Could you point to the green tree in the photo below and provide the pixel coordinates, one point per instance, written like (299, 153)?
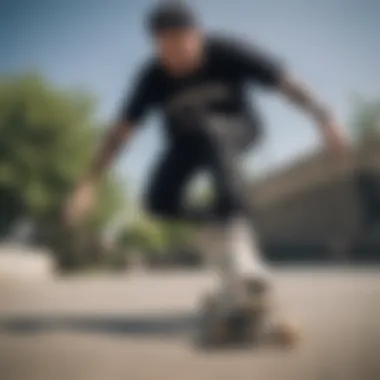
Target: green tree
(47, 136)
(365, 120)
(143, 235)
(175, 234)
(154, 240)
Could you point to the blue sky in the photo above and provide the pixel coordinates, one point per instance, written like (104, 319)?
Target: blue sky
(97, 44)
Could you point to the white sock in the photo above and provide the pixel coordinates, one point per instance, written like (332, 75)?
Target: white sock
(226, 281)
(243, 249)
(234, 255)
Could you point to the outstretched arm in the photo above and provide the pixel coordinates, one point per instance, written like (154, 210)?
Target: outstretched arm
(134, 107)
(133, 110)
(116, 137)
(253, 63)
(82, 199)
(303, 97)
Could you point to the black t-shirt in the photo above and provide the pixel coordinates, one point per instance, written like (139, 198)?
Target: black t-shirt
(217, 90)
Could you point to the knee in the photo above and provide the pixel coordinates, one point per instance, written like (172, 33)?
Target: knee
(229, 206)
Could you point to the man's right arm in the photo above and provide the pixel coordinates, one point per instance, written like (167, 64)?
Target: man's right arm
(133, 109)
(81, 201)
(116, 137)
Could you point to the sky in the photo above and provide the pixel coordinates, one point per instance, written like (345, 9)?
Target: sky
(99, 44)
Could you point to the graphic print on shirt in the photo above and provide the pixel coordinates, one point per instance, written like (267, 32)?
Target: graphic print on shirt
(189, 107)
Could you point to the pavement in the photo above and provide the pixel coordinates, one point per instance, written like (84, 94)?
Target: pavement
(140, 326)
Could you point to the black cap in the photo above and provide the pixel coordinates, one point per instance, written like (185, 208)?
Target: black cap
(171, 15)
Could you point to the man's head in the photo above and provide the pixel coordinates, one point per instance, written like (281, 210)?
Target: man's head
(177, 35)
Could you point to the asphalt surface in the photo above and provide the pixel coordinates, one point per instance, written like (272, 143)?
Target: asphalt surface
(140, 326)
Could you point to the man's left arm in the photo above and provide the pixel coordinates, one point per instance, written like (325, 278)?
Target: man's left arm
(255, 65)
(299, 94)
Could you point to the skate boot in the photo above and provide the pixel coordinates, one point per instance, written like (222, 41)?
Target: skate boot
(268, 325)
(229, 319)
(242, 310)
(249, 321)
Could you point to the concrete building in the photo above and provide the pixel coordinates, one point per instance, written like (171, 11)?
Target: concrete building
(321, 206)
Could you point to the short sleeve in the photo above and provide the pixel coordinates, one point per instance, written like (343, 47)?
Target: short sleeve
(140, 98)
(252, 63)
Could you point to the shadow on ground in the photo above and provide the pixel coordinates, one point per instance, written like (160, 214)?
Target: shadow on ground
(159, 325)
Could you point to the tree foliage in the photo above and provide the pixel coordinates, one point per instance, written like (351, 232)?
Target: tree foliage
(47, 136)
(152, 237)
(365, 120)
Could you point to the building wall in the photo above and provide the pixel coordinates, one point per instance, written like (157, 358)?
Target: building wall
(325, 211)
(317, 200)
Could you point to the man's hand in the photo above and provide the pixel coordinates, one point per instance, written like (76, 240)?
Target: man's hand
(80, 203)
(82, 199)
(335, 140)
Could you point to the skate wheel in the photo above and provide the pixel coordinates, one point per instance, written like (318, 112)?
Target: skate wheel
(213, 337)
(212, 332)
(258, 305)
(208, 302)
(286, 335)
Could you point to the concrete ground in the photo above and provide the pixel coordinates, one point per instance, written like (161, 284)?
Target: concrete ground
(139, 326)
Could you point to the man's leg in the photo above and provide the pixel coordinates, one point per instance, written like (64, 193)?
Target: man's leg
(166, 191)
(240, 261)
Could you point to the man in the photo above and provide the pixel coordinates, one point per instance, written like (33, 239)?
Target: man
(198, 83)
